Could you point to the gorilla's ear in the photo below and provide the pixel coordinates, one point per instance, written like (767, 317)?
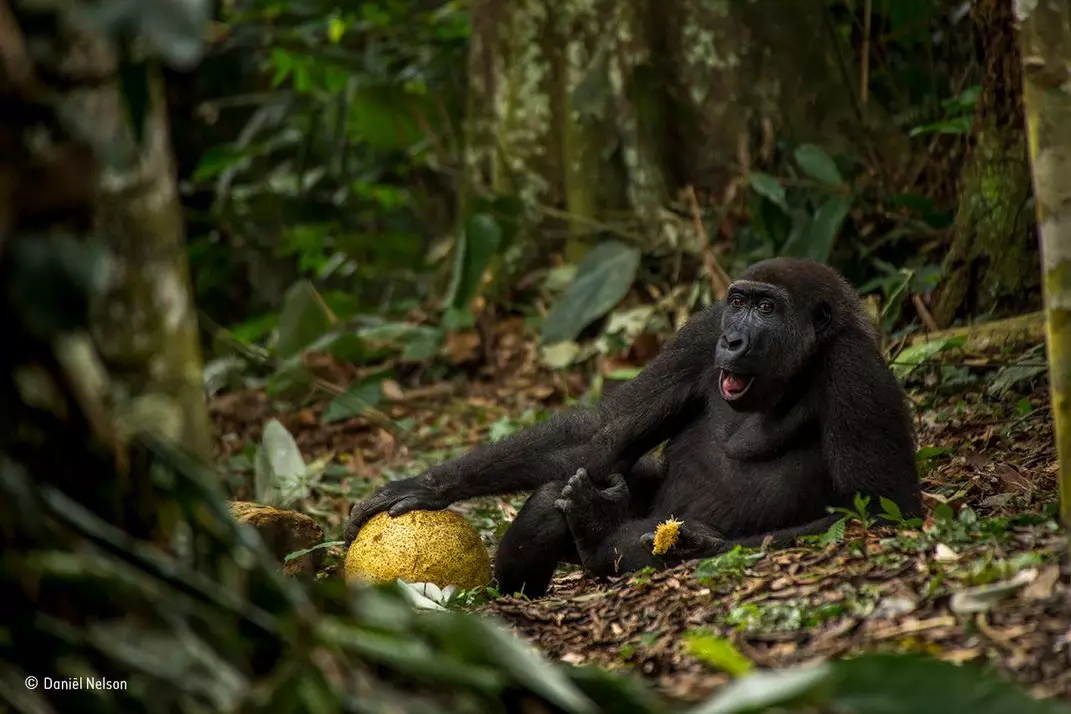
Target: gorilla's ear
(823, 316)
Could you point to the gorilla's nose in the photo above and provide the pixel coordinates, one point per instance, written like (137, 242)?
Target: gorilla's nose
(734, 344)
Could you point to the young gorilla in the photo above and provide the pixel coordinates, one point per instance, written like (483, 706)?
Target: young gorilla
(776, 405)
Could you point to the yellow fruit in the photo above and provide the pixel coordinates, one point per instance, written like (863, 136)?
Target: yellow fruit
(437, 547)
(666, 535)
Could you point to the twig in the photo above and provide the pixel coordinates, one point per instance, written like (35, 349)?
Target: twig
(719, 279)
(864, 70)
(924, 314)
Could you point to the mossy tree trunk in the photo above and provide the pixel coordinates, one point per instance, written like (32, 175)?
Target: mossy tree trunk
(1046, 54)
(992, 263)
(145, 324)
(604, 110)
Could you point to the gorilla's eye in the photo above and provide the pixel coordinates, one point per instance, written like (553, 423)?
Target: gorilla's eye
(766, 307)
(736, 301)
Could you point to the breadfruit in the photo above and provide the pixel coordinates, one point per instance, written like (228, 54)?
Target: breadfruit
(437, 547)
(284, 532)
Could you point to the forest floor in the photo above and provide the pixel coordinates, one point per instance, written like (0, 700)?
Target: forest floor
(984, 585)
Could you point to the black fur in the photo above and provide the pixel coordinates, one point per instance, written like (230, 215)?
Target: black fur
(821, 419)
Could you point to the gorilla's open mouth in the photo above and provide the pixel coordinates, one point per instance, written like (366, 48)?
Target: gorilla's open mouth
(733, 385)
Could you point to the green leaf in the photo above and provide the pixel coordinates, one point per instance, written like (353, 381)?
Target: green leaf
(889, 506)
(385, 117)
(1025, 368)
(907, 361)
(422, 344)
(336, 27)
(818, 165)
(217, 160)
(348, 347)
(279, 469)
(478, 641)
(560, 355)
(303, 319)
(956, 125)
(478, 244)
(769, 187)
(768, 689)
(896, 683)
(355, 401)
(817, 240)
(306, 551)
(718, 652)
(834, 534)
(603, 278)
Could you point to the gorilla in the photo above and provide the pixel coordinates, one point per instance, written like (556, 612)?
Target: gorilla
(771, 406)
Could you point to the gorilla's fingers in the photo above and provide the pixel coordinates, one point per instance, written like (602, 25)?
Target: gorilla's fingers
(410, 503)
(647, 539)
(618, 488)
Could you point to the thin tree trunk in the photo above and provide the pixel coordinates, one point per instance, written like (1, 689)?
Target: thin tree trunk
(992, 262)
(1045, 38)
(145, 325)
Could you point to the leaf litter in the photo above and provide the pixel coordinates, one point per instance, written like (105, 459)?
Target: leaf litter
(984, 581)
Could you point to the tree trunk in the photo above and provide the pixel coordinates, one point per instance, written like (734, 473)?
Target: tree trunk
(992, 263)
(603, 111)
(145, 324)
(1046, 52)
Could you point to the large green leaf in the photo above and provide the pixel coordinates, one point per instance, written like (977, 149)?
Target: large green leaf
(303, 319)
(906, 362)
(480, 641)
(769, 187)
(385, 117)
(355, 401)
(603, 277)
(817, 240)
(818, 165)
(478, 244)
(878, 684)
(895, 683)
(766, 690)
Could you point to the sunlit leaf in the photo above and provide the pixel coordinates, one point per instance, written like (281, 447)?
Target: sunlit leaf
(336, 27)
(279, 468)
(908, 360)
(718, 652)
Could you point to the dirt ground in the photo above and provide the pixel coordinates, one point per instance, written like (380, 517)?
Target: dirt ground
(982, 581)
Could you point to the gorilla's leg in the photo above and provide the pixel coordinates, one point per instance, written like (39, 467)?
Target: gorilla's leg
(537, 540)
(539, 537)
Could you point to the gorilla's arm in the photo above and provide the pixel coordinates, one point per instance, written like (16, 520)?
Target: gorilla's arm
(867, 435)
(628, 423)
(654, 406)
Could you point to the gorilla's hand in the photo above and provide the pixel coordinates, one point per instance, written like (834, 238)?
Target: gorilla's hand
(693, 541)
(396, 498)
